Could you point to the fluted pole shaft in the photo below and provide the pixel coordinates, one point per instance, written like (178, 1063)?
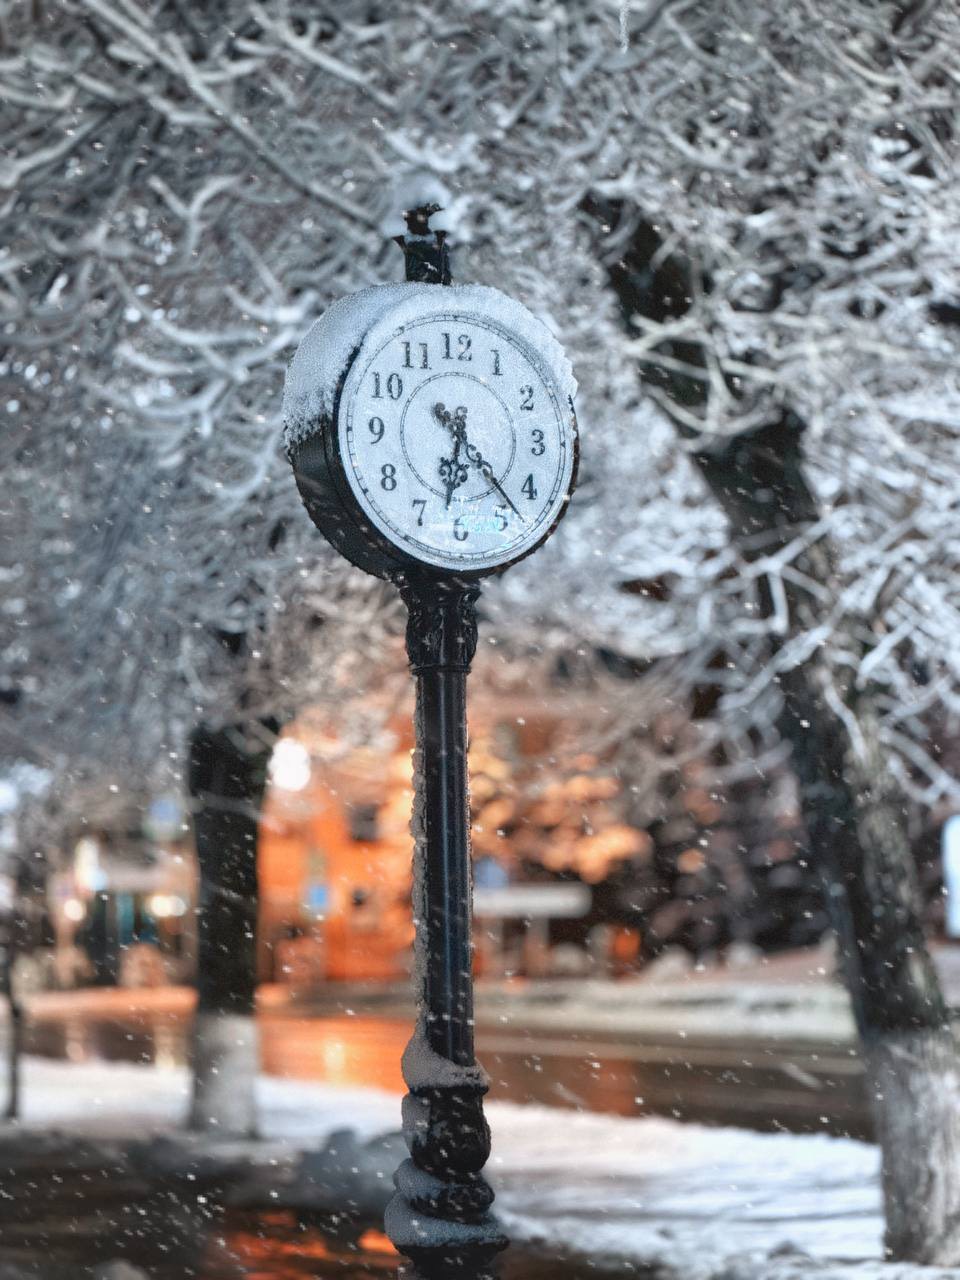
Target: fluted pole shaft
(440, 1216)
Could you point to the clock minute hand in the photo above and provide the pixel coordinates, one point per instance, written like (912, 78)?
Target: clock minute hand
(485, 468)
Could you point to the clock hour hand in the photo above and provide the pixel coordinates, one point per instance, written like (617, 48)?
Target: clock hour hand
(457, 423)
(453, 472)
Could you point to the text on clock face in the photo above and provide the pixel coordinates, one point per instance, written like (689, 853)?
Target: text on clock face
(455, 441)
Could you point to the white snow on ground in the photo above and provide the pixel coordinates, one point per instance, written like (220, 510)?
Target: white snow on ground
(710, 1202)
(647, 1188)
(737, 1010)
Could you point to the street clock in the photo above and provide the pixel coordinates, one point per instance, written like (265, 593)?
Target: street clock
(432, 427)
(433, 438)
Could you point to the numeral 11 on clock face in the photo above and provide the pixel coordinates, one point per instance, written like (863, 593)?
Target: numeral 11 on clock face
(424, 356)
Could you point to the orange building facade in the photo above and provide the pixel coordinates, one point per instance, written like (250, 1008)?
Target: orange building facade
(335, 862)
(336, 853)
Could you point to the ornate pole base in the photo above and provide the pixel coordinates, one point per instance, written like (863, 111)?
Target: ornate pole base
(440, 1215)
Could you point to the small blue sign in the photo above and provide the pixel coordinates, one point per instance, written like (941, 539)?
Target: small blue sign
(950, 838)
(317, 898)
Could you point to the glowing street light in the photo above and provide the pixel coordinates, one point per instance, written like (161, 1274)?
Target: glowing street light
(290, 765)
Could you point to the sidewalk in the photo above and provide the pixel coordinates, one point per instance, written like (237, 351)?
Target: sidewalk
(641, 1197)
(771, 1046)
(793, 998)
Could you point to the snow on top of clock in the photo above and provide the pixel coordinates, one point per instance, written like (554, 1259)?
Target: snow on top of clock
(317, 368)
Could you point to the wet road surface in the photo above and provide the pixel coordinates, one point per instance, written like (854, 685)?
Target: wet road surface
(759, 1085)
(70, 1224)
(75, 1222)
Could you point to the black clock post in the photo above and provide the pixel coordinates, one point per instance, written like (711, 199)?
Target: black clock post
(440, 1216)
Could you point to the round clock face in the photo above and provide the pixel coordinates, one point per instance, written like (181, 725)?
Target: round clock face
(455, 441)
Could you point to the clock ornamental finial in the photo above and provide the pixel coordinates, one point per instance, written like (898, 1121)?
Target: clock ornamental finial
(426, 254)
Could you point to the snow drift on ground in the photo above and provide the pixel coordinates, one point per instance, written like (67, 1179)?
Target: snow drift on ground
(707, 1204)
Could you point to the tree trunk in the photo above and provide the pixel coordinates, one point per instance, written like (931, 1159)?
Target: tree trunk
(227, 778)
(913, 1077)
(8, 954)
(14, 1057)
(851, 805)
(860, 849)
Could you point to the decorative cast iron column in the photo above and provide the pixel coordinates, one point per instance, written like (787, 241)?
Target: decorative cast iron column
(440, 1215)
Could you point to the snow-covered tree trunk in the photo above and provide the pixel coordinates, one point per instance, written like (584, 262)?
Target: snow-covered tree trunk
(914, 1080)
(851, 804)
(227, 778)
(860, 848)
(8, 954)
